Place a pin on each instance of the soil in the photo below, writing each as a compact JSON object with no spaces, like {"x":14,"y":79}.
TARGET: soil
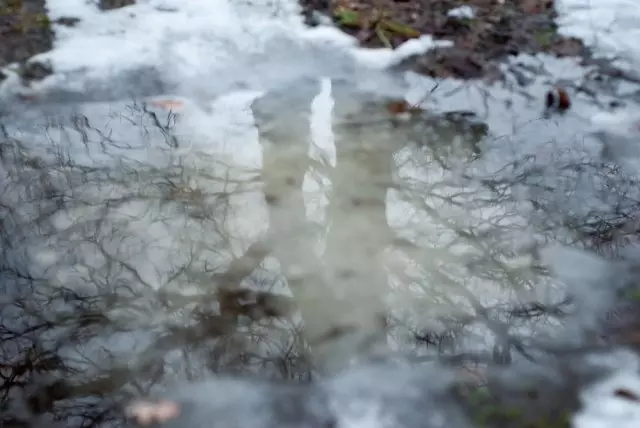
{"x":25,"y":31}
{"x":497,"y":29}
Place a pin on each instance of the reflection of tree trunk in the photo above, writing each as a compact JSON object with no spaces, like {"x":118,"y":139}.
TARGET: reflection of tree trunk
{"x":359,"y":232}
{"x":342,"y":292}
{"x":284,"y":133}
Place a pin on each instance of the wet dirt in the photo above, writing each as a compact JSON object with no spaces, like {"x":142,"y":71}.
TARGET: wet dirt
{"x":25,"y":31}
{"x":483,"y":32}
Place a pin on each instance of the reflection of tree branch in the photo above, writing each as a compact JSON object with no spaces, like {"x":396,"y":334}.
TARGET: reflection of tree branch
{"x":255,"y":305}
{"x":242,"y":267}
{"x":501,"y":330}
{"x":120,"y":302}
{"x":171,"y":140}
{"x":105,"y":292}
{"x":128,"y":267}
{"x":537,"y":309}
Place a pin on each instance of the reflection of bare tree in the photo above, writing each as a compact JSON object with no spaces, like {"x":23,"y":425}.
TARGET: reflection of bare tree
{"x":354,"y":276}
{"x":125,"y":274}
{"x":285,"y":141}
{"x":341,"y":295}
{"x":359,"y":234}
{"x":86,"y":275}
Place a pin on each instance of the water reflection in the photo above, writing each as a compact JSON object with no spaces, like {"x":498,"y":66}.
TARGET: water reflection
{"x":143,"y":247}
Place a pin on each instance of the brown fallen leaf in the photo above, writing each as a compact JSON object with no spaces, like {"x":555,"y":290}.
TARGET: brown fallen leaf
{"x":167,"y":104}
{"x":400,"y":107}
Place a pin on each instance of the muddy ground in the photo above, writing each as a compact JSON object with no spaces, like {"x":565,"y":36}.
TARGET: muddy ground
{"x":496,"y":29}
{"x":25,"y":31}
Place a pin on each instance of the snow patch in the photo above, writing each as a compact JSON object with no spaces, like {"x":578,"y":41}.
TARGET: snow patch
{"x":201,"y":48}
{"x":384,"y":58}
{"x":614,"y":401}
{"x":462,"y":12}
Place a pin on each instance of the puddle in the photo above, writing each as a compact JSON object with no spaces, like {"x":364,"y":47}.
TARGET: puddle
{"x":164,"y":239}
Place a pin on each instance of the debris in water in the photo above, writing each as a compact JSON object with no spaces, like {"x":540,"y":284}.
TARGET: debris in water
{"x":400,"y":107}
{"x":558,"y":99}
